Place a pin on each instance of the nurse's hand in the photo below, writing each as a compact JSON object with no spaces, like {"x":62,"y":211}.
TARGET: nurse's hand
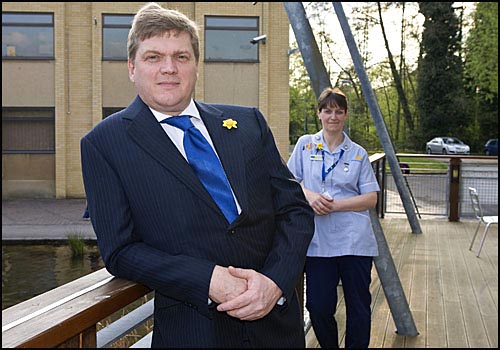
{"x":320,"y":203}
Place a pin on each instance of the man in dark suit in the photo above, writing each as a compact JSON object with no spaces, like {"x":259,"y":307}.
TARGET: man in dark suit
{"x":218,"y":282}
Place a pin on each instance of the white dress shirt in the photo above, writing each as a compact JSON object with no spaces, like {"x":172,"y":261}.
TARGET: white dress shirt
{"x":177,"y":135}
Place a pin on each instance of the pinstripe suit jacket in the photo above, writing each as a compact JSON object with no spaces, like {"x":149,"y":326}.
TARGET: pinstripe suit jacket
{"x":157,"y":225}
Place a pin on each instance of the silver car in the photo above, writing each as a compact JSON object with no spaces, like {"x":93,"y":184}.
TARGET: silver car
{"x":446,"y":145}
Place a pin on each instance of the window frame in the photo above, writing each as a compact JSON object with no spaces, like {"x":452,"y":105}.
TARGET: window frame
{"x":38,"y":25}
{"x":229,"y":28}
{"x":116,"y":26}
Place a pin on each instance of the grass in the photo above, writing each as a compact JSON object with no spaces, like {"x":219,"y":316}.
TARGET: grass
{"x":77,"y":244}
{"x":425,"y":164}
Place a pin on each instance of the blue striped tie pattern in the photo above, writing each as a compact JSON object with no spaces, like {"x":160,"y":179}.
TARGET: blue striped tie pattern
{"x":206,"y":165}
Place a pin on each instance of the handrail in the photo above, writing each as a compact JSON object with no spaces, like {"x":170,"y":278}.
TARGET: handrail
{"x":72,"y":323}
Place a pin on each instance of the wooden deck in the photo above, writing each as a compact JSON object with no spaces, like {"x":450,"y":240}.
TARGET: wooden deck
{"x":452,"y":294}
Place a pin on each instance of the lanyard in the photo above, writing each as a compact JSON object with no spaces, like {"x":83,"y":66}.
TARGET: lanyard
{"x":324,"y":172}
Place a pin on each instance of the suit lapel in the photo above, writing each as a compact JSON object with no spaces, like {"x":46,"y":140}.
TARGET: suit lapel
{"x":148,"y":134}
{"x":228,"y":147}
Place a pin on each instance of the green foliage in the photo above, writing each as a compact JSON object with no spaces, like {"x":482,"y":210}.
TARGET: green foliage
{"x":451,"y":91}
{"x":77,"y":244}
{"x":482,"y":50}
{"x":303,"y":117}
{"x":482,"y":75}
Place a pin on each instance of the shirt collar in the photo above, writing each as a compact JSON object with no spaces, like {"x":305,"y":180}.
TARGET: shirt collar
{"x":190,"y":110}
{"x":345,"y":145}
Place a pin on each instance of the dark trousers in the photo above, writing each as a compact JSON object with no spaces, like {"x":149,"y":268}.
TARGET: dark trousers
{"x":322,"y":278}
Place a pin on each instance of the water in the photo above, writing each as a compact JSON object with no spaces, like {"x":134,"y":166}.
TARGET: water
{"x":30,"y":270}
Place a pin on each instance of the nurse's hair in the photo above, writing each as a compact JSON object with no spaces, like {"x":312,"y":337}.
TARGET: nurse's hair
{"x":153,"y":20}
{"x":332,"y":98}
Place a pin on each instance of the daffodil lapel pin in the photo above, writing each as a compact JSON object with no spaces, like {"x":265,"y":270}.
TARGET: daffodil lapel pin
{"x":230,"y":123}
{"x":319,"y":147}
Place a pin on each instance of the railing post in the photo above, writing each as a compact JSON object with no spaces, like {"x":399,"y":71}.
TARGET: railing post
{"x":454,"y":189}
{"x":382,"y":190}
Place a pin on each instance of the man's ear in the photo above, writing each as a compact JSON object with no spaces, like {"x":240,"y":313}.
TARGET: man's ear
{"x":131,"y":68}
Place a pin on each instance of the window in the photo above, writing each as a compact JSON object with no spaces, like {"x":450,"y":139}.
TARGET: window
{"x":28,"y":130}
{"x":228,"y":39}
{"x":27,"y":35}
{"x":115,"y":30}
{"x":107,"y":111}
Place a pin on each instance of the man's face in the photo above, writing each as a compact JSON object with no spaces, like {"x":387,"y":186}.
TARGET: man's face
{"x":165,"y":72}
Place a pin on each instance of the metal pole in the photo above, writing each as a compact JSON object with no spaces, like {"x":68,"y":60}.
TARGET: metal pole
{"x":394,"y":293}
{"x":385,"y":139}
{"x":308,"y":47}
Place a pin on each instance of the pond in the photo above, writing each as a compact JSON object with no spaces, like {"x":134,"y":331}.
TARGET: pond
{"x":32,"y":269}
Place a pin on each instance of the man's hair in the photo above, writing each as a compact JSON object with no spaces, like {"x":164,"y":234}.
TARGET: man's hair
{"x":153,"y":20}
{"x":332,"y":98}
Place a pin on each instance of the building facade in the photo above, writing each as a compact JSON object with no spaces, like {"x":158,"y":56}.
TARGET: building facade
{"x":64,"y":69}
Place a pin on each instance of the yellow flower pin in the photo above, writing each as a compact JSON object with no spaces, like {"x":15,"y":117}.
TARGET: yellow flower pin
{"x":319,"y":146}
{"x":230,"y":123}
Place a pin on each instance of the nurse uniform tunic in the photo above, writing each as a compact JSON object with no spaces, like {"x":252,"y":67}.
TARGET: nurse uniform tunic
{"x":343,"y":232}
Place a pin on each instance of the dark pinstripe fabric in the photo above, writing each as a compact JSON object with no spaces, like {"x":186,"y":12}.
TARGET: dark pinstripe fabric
{"x":157,"y":225}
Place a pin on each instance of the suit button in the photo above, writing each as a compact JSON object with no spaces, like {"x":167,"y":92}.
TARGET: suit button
{"x":232,"y":232}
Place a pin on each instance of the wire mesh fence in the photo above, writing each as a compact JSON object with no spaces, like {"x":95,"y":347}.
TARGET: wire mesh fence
{"x":428,"y":181}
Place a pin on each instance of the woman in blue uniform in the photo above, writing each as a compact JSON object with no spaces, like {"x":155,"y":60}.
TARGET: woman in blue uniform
{"x":340,"y":185}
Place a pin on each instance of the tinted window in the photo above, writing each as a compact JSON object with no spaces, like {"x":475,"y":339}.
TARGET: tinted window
{"x":228,"y":39}
{"x":27,"y":35}
{"x":115,"y":30}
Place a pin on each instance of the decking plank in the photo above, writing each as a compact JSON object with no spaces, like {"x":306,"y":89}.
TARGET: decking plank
{"x":453,"y":295}
{"x":453,"y":315}
{"x":436,"y":326}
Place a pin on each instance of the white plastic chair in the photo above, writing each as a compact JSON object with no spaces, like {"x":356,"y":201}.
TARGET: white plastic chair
{"x":487,"y":220}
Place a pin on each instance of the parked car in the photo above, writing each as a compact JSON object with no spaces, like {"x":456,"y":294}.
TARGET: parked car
{"x":491,"y":147}
{"x":446,"y":145}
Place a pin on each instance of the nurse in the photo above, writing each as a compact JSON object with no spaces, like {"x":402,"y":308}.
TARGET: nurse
{"x":340,"y":185}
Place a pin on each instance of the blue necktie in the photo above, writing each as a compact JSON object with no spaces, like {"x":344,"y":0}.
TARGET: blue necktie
{"x":206,"y":165}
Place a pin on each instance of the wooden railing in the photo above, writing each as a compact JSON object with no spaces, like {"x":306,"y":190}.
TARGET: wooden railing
{"x":67,"y":316}
{"x":454,"y":170}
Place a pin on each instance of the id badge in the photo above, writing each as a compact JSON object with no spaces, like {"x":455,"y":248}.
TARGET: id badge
{"x":316,"y":157}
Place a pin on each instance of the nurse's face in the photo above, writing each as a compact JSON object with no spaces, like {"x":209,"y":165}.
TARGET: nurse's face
{"x":332,"y":118}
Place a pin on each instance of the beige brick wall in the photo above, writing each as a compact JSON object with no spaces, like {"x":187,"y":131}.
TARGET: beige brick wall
{"x":78,"y":70}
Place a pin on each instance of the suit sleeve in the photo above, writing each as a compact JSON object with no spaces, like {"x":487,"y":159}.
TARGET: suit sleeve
{"x":181,"y":277}
{"x":294,"y":219}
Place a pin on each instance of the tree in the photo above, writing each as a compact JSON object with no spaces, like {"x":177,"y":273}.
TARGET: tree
{"x":440,"y":93}
{"x":303,"y":117}
{"x":481,"y":71}
{"x":397,"y":78}
{"x":482,"y":49}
